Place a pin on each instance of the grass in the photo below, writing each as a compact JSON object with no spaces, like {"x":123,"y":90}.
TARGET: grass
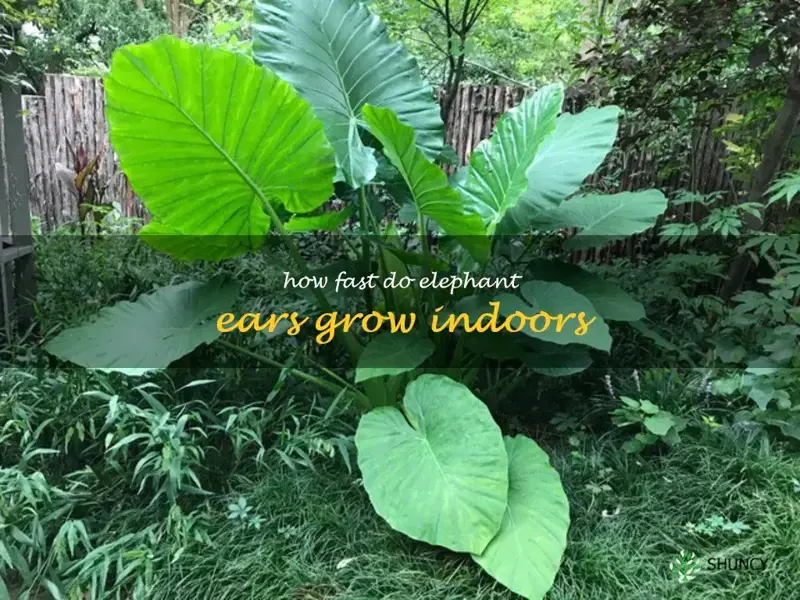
{"x":314,"y":521}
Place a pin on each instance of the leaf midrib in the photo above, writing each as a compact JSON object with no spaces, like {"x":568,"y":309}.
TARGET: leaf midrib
{"x":146,"y":74}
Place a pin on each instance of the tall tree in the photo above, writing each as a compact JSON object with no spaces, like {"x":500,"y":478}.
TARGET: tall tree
{"x":458,"y":17}
{"x":177,"y":17}
{"x":675,"y":55}
{"x":445,"y":27}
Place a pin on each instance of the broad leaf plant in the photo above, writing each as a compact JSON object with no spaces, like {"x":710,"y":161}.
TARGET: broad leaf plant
{"x":225,"y":150}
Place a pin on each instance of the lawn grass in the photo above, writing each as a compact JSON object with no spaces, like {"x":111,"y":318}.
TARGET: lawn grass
{"x":312,"y":521}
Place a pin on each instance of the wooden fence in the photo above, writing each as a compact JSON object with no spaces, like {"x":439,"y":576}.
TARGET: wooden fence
{"x":70,"y":119}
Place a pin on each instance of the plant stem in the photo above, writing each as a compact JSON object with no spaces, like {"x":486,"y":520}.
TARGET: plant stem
{"x":426,"y":250}
{"x":423,"y":234}
{"x":351,"y":342}
{"x":326,"y":385}
{"x":363,"y":210}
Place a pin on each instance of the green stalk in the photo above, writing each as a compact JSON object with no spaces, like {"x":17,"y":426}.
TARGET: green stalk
{"x":326,"y":385}
{"x":353,"y":346}
{"x":363,"y":211}
{"x":426,"y":250}
{"x":388,"y":293}
{"x":423,"y":234}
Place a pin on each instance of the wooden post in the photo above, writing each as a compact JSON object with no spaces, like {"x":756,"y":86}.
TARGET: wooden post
{"x":16,"y":240}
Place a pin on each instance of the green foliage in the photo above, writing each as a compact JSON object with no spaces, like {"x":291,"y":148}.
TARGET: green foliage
{"x":534,"y":42}
{"x":675,"y":61}
{"x":243,"y":152}
{"x":715,"y":524}
{"x":305,"y":542}
{"x":240,"y":140}
{"x":761,"y":333}
{"x":321,"y":51}
{"x":721,"y":220}
{"x":787,"y":188}
{"x":603,"y":219}
{"x":392,"y":354}
{"x":226,"y":23}
{"x":430,"y":191}
{"x":535,"y":524}
{"x":239,"y":512}
{"x":556,"y":298}
{"x":329,"y":221}
{"x":557,"y":172}
{"x":655,"y":424}
{"x":11,"y":18}
{"x":81,"y":35}
{"x":105,"y":482}
{"x":497,"y":175}
{"x":607,"y":298}
{"x":158,"y":328}
{"x":437,"y":470}
{"x":620,"y":541}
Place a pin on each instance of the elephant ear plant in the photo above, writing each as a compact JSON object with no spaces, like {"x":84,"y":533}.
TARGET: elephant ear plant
{"x":224,"y":150}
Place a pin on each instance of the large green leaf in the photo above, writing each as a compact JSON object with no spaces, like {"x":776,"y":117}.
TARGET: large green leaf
{"x":567,"y":157}
{"x":431,"y":192}
{"x":340,"y":58}
{"x":497,"y":175}
{"x":604,"y":219}
{"x":526,"y":553}
{"x":610,"y":301}
{"x":557,"y":299}
{"x":207,"y":138}
{"x":552,"y":360}
{"x":437,"y":471}
{"x":186,"y":247}
{"x":329,"y":221}
{"x":392,"y":354}
{"x":150,"y":333}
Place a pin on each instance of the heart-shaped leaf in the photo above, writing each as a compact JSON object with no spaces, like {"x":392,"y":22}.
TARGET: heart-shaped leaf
{"x":340,"y":57}
{"x":150,"y":333}
{"x":580,"y":324}
{"x":437,"y":471}
{"x":526,"y":553}
{"x":207,"y":138}
{"x":392,"y":354}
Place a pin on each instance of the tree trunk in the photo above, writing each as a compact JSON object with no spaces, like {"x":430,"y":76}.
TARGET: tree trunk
{"x":139,"y":4}
{"x":178,"y":18}
{"x":454,"y":78}
{"x":774,"y":151}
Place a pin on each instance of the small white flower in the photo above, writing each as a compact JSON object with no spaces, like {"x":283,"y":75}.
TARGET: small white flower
{"x":609,"y":386}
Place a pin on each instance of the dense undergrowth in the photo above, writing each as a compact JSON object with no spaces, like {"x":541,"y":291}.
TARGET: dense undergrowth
{"x":232,"y":482}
